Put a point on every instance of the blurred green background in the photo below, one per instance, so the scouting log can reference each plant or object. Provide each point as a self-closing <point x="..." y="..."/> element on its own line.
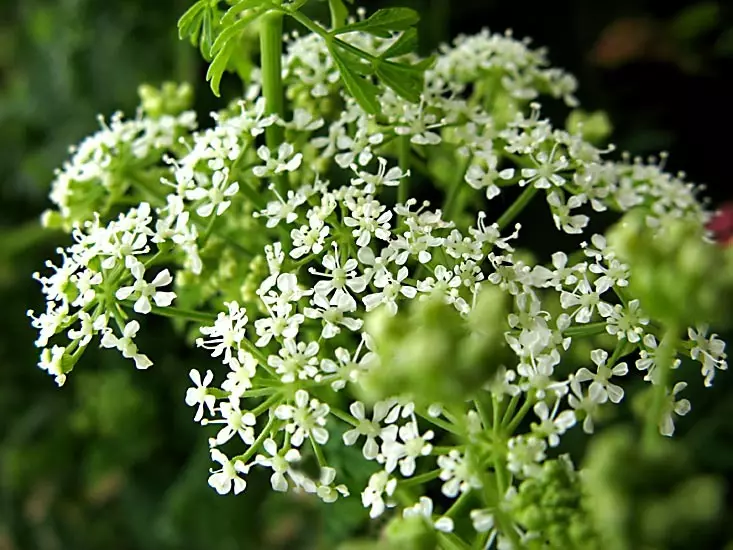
<point x="113" y="460"/>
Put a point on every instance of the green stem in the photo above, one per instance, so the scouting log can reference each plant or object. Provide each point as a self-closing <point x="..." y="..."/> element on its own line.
<point x="420" y="479"/>
<point x="271" y="39"/>
<point x="516" y="208"/>
<point x="452" y="204"/>
<point x="404" y="147"/>
<point x="665" y="357"/>
<point x="589" y="329"/>
<point x="264" y="434"/>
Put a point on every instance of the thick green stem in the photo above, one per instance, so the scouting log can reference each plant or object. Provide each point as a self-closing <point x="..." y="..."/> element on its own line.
<point x="271" y="41"/>
<point x="516" y="208"/>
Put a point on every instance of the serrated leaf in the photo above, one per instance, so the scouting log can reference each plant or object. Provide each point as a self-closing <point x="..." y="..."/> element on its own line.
<point x="218" y="66"/>
<point x="406" y="43"/>
<point x="189" y="22"/>
<point x="363" y="91"/>
<point x="406" y="83"/>
<point x="384" y="22"/>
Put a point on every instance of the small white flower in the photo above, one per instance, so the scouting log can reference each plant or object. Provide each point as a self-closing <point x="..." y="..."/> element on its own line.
<point x="371" y="429"/>
<point x="307" y="418"/>
<point x="199" y="395"/>
<point x="287" y="161"/>
<point x="145" y="290"/>
<point x="601" y="378"/>
<point x="672" y="405"/>
<point x="372" y="497"/>
<point x="458" y="474"/>
<point x="229" y="474"/>
<point x="424" y="509"/>
<point x="280" y="462"/>
<point x="126" y="345"/>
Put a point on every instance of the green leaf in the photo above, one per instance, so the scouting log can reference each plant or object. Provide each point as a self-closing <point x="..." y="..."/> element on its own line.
<point x="364" y="92"/>
<point x="405" y="44"/>
<point x="339" y="13"/>
<point x="231" y="13"/>
<point x="190" y="21"/>
<point x="233" y="30"/>
<point x="406" y="83"/>
<point x="218" y="66"/>
<point x="384" y="22"/>
<point x="206" y="40"/>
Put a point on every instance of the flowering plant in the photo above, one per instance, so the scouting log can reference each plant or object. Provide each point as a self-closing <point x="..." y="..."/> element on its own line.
<point x="297" y="240"/>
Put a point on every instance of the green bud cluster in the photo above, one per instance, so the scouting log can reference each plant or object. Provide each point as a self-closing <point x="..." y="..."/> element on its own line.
<point x="433" y="353"/>
<point x="552" y="508"/>
<point x="595" y="127"/>
<point x="679" y="277"/>
<point x="170" y="99"/>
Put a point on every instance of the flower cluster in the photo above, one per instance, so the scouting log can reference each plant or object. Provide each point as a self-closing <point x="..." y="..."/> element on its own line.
<point x="290" y="257"/>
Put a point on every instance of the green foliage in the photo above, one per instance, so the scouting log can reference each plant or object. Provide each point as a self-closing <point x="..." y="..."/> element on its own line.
<point x="647" y="496"/>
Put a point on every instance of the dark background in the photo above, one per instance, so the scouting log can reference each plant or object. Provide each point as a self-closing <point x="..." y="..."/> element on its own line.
<point x="113" y="460"/>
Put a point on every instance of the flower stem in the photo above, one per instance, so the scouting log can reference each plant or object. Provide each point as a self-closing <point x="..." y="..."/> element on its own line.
<point x="175" y="313"/>
<point x="403" y="145"/>
<point x="516" y="208"/>
<point x="272" y="86"/>
<point x="665" y="357"/>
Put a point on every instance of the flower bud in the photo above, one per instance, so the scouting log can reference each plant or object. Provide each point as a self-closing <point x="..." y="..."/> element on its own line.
<point x="678" y="277"/>
<point x="434" y="354"/>
<point x="593" y="127"/>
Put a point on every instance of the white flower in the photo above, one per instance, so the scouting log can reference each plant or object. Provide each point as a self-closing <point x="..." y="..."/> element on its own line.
<point x="223" y="479"/>
<point x="672" y="405"/>
<point x="479" y="177"/>
<point x="585" y="300"/>
<point x="601" y="378"/>
<point x="287" y="161"/>
<point x="126" y="345"/>
<point x="545" y="174"/>
<point x="372" y="497"/>
<point x="710" y="351"/>
<point x="338" y="279"/>
<point x="227" y="333"/>
<point x="199" y="395"/>
<point x="588" y="404"/>
<point x="325" y="491"/>
<point x="280" y="463"/>
<point x="458" y="474"/>
<point x="412" y="446"/>
<point x="371" y="429"/>
<point x="145" y="290"/>
<point x="307" y="418"/>
<point x="626" y="322"/>
<point x="295" y="360"/>
<point x="392" y="288"/>
<point x="389" y="178"/>
<point x="52" y="362"/>
<point x="282" y="323"/>
<point x="552" y="425"/>
<point x="347" y="368"/>
<point x="424" y="508"/>
<point x="215" y="198"/>
<point x="237" y="422"/>
<point x="525" y="454"/>
<point x="239" y="378"/>
<point x="309" y="239"/>
<point x="333" y="314"/>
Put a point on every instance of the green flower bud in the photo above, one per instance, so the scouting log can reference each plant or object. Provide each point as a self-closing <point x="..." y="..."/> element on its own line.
<point x="169" y="99"/>
<point x="678" y="277"/>
<point x="432" y="353"/>
<point x="593" y="127"/>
